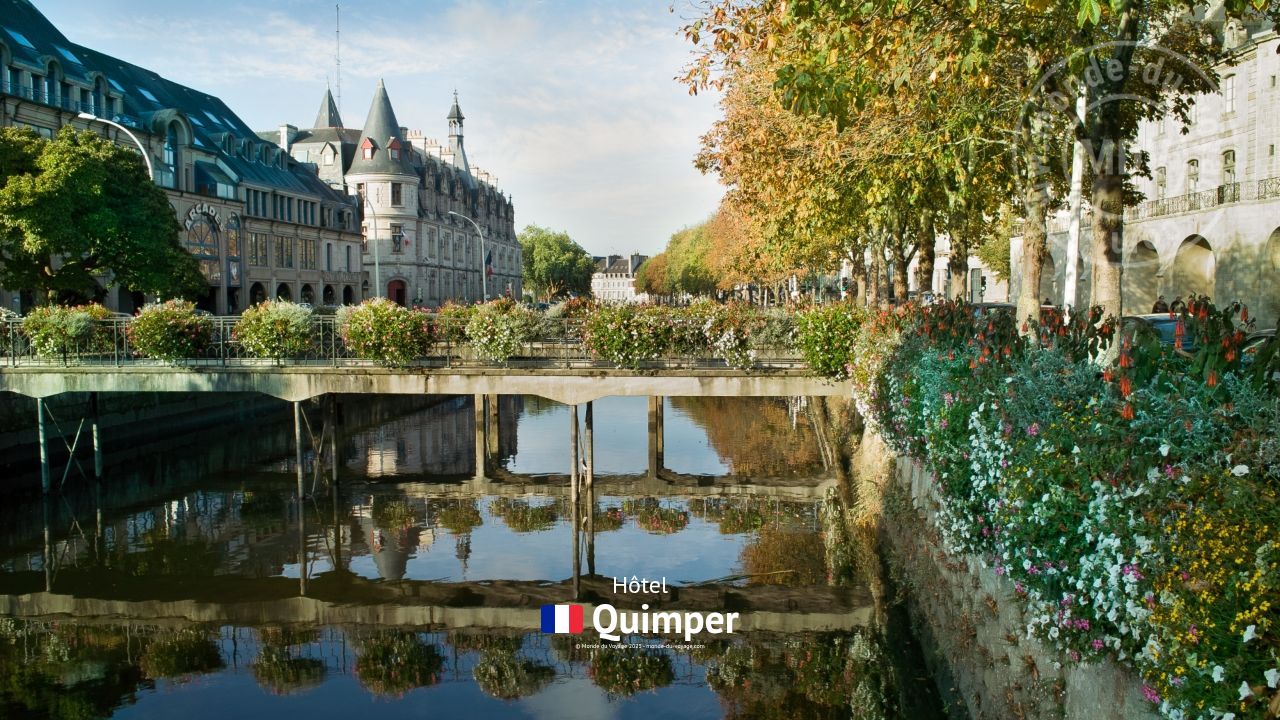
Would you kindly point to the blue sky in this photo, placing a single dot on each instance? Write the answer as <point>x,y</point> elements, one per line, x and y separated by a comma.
<point>570,104</point>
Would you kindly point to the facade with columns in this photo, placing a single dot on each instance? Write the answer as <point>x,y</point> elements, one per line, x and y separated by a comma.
<point>1210,221</point>
<point>261,224</point>
<point>419,200</point>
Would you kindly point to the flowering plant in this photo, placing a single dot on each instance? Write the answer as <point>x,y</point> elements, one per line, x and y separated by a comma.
<point>58,331</point>
<point>499,328</point>
<point>274,329</point>
<point>627,335</point>
<point>452,320</point>
<point>170,331</point>
<point>383,331</point>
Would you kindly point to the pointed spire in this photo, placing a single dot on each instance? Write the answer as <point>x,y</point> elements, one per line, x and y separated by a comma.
<point>455,142</point>
<point>380,147</point>
<point>328,116</point>
<point>455,113</point>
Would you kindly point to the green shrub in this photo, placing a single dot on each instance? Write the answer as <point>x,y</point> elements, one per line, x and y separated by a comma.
<point>825,336</point>
<point>275,329</point>
<point>8,326</point>
<point>170,331</point>
<point>452,320</point>
<point>56,331</point>
<point>627,335</point>
<point>498,329</point>
<point>380,330</point>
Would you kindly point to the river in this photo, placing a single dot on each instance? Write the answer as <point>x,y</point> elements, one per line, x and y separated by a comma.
<point>193,581</point>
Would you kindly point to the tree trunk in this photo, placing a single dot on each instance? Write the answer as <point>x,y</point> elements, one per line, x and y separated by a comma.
<point>1108,240</point>
<point>875,271</point>
<point>1034,235</point>
<point>958,264</point>
<point>901,277</point>
<point>857,276</point>
<point>924,269</point>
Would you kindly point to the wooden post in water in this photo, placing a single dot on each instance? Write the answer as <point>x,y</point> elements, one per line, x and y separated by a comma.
<point>97,438</point>
<point>44,447</point>
<point>47,560</point>
<point>573,445</point>
<point>591,530</point>
<point>655,404</point>
<point>480,444</point>
<point>297,444</point>
<point>492,427</point>
<point>590,449</point>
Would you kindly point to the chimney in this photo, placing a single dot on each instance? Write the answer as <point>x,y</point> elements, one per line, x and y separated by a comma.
<point>636,261</point>
<point>287,134</point>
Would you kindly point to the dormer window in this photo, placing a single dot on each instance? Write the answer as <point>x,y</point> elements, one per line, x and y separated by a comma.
<point>366,149</point>
<point>393,147</point>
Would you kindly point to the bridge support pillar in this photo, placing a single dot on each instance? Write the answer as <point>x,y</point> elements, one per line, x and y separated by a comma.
<point>590,449</point>
<point>491,429</point>
<point>479,401</point>
<point>44,446</point>
<point>297,444</point>
<point>573,446</point>
<point>97,438</point>
<point>655,437</point>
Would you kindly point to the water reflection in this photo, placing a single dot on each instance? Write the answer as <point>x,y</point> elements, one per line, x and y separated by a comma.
<point>398,575</point>
<point>84,671</point>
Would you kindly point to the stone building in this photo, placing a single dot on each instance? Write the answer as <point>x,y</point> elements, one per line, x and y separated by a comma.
<point>419,200</point>
<point>1210,223</point>
<point>614,280</point>
<point>261,224</point>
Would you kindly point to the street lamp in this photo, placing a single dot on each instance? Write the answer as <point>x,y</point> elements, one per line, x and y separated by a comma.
<point>146,158</point>
<point>484,279</point>
<point>377,266</point>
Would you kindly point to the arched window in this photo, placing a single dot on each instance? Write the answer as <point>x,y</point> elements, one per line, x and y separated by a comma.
<point>202,238</point>
<point>1193,175</point>
<point>171,146</point>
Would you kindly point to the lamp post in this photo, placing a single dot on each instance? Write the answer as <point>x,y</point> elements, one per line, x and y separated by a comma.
<point>377,266</point>
<point>146,158</point>
<point>484,279</point>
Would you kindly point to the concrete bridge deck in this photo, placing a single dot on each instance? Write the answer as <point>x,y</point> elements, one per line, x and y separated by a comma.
<point>302,382</point>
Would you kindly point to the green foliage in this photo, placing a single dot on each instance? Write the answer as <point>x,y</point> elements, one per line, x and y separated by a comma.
<point>280,672</point>
<point>498,329</point>
<point>395,662</point>
<point>523,516</point>
<point>57,332</point>
<point>452,319</point>
<point>554,265</point>
<point>623,672</point>
<point>275,329</point>
<point>994,253</point>
<point>8,320</point>
<point>170,331</point>
<point>77,207</point>
<point>651,277</point>
<point>627,335</point>
<point>506,677</point>
<point>181,653</point>
<point>1134,508</point>
<point>825,336</point>
<point>380,330</point>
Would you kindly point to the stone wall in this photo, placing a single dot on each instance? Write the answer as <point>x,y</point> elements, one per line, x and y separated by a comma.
<point>971,624</point>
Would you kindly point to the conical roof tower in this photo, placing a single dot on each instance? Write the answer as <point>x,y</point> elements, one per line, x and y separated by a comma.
<point>328,116</point>
<point>381,149</point>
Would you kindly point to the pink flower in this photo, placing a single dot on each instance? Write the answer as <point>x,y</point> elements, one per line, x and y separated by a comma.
<point>1150,693</point>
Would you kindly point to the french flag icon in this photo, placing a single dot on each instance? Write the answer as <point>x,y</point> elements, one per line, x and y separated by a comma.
<point>562,619</point>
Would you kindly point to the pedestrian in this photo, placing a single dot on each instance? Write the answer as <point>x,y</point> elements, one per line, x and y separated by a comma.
<point>1177,305</point>
<point>1160,306</point>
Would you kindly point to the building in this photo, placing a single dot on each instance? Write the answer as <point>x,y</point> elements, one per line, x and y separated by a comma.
<point>261,224</point>
<point>420,201</point>
<point>1210,223</point>
<point>614,280</point>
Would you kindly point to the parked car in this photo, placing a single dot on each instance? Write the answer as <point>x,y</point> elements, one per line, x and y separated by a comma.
<point>1164,325</point>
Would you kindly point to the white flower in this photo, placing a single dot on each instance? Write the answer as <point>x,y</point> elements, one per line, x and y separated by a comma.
<point>1219,673</point>
<point>1250,633</point>
<point>1245,691</point>
<point>1240,470</point>
<point>1164,450</point>
<point>1273,677</point>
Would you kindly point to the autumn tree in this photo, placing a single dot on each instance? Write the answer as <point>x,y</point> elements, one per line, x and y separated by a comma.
<point>651,277</point>
<point>554,265</point>
<point>78,213</point>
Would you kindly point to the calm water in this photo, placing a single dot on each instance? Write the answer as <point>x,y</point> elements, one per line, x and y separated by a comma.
<point>402,585</point>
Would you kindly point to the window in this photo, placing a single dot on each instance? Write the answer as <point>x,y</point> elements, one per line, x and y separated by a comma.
<point>119,88</point>
<point>328,257</point>
<point>328,156</point>
<point>22,39</point>
<point>307,255</point>
<point>233,237</point>
<point>397,238</point>
<point>1229,93</point>
<point>397,194</point>
<point>147,94</point>
<point>1193,175</point>
<point>67,54</point>
<point>171,147</point>
<point>284,252</point>
<point>1192,113</point>
<point>1161,176</point>
<point>1229,167</point>
<point>258,250</point>
<point>202,238</point>
<point>348,258</point>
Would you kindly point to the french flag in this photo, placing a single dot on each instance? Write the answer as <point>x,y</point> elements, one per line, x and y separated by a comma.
<point>562,618</point>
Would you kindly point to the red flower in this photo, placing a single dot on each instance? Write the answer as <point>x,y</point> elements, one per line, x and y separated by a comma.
<point>1126,412</point>
<point>1126,386</point>
<point>1212,380</point>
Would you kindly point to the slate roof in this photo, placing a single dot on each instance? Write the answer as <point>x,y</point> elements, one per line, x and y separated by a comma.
<point>328,116</point>
<point>382,132</point>
<point>151,101</point>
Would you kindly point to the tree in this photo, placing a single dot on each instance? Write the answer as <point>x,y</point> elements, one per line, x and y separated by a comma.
<point>687,270</point>
<point>651,276</point>
<point>554,264</point>
<point>79,212</point>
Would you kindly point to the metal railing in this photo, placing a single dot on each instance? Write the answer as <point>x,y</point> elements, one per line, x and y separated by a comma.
<point>556,344</point>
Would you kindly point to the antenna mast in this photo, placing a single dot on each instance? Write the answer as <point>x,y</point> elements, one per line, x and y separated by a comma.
<point>337,50</point>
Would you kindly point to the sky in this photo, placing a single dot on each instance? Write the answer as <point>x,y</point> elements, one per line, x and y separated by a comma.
<point>571,105</point>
